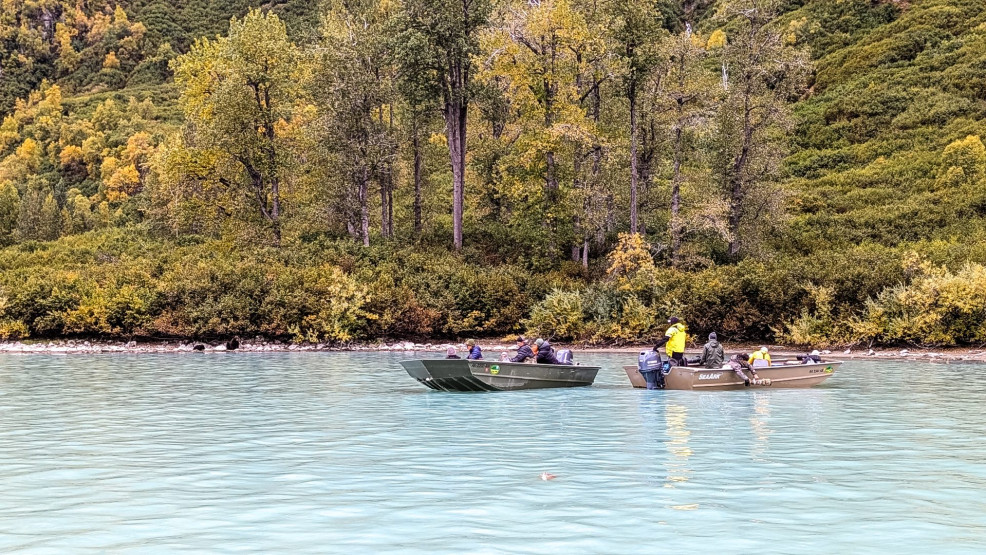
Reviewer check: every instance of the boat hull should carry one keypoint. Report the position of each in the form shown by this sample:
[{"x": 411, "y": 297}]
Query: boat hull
[
  {"x": 479, "y": 375},
  {"x": 777, "y": 376}
]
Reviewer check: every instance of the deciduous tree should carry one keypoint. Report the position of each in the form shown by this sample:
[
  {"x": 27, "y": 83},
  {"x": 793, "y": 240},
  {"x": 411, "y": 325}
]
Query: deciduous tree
[
  {"x": 237, "y": 93},
  {"x": 761, "y": 75},
  {"x": 447, "y": 32}
]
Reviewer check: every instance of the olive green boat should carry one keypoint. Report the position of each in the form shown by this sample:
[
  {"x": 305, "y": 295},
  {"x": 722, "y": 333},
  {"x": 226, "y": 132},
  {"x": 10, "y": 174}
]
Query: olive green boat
[
  {"x": 480, "y": 375},
  {"x": 782, "y": 374}
]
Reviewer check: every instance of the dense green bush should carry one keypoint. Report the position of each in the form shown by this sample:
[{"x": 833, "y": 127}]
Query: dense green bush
[
  {"x": 125, "y": 282},
  {"x": 938, "y": 308}
]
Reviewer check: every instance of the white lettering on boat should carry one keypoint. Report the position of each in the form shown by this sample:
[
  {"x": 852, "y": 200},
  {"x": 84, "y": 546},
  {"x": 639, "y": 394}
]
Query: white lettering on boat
[{"x": 710, "y": 376}]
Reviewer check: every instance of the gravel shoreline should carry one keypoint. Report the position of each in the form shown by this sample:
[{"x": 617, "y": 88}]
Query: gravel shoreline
[{"x": 255, "y": 346}]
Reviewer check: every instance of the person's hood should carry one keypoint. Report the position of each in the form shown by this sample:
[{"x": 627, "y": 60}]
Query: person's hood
[{"x": 713, "y": 343}]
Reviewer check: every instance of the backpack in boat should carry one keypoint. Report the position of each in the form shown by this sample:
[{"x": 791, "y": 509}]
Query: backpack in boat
[{"x": 564, "y": 356}]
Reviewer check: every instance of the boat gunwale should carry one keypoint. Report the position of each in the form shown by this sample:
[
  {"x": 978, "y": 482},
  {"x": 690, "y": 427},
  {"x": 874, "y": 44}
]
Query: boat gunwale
[{"x": 688, "y": 375}]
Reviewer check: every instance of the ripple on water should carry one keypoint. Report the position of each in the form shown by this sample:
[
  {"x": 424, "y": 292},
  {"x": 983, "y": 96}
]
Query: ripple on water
[{"x": 315, "y": 452}]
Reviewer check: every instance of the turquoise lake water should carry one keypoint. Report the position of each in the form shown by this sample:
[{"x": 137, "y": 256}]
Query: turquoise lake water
[{"x": 344, "y": 453}]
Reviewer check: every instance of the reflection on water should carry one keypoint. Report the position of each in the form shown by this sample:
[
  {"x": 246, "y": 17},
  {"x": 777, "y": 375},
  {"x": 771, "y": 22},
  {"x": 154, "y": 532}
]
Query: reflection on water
[
  {"x": 758, "y": 423},
  {"x": 344, "y": 453},
  {"x": 676, "y": 417}
]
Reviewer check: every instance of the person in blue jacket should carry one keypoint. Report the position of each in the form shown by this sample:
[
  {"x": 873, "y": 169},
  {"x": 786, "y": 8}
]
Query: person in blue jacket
[
  {"x": 475, "y": 353},
  {"x": 546, "y": 353},
  {"x": 524, "y": 351}
]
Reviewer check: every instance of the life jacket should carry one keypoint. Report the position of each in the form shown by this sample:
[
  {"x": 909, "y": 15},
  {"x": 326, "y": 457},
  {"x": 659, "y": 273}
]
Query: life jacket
[
  {"x": 757, "y": 355},
  {"x": 677, "y": 342}
]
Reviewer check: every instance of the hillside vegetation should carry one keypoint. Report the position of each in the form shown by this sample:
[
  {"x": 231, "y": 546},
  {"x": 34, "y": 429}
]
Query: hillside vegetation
[{"x": 809, "y": 172}]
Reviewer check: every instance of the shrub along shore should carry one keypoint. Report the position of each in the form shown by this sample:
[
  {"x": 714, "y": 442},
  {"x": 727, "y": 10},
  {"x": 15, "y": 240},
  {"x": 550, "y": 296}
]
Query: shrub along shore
[{"x": 126, "y": 283}]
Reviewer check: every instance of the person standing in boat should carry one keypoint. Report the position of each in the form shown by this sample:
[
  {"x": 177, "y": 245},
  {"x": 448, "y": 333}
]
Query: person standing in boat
[
  {"x": 524, "y": 352},
  {"x": 546, "y": 353},
  {"x": 712, "y": 354},
  {"x": 674, "y": 341},
  {"x": 475, "y": 353}
]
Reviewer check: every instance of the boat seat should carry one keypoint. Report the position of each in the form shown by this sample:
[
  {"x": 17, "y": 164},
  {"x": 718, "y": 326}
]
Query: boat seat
[{"x": 760, "y": 363}]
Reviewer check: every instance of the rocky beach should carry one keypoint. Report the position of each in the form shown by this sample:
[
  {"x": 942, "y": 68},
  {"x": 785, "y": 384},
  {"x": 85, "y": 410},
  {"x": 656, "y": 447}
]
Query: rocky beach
[{"x": 67, "y": 347}]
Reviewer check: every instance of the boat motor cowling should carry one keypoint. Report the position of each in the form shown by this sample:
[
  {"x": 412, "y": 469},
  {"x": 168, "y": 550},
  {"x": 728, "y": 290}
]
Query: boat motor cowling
[
  {"x": 649, "y": 361},
  {"x": 564, "y": 356}
]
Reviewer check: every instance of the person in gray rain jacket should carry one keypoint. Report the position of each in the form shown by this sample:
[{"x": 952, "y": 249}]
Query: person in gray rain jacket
[{"x": 712, "y": 354}]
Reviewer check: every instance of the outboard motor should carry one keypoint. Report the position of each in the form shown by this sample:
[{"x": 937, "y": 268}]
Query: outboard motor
[
  {"x": 652, "y": 368},
  {"x": 564, "y": 356}
]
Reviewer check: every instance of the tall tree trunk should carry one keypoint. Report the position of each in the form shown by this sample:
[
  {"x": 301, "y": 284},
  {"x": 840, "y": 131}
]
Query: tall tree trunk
[
  {"x": 735, "y": 215},
  {"x": 675, "y": 219},
  {"x": 551, "y": 175},
  {"x": 597, "y": 167},
  {"x": 384, "y": 206},
  {"x": 364, "y": 209},
  {"x": 455, "y": 130},
  {"x": 634, "y": 170},
  {"x": 416, "y": 145},
  {"x": 578, "y": 183},
  {"x": 736, "y": 186},
  {"x": 275, "y": 188}
]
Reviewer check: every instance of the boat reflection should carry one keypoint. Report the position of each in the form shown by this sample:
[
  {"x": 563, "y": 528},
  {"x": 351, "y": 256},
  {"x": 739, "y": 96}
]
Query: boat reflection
[
  {"x": 758, "y": 423},
  {"x": 676, "y": 420}
]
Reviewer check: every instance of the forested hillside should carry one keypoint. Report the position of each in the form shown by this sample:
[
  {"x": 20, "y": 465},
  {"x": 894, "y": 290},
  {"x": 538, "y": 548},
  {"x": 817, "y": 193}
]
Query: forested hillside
[{"x": 808, "y": 172}]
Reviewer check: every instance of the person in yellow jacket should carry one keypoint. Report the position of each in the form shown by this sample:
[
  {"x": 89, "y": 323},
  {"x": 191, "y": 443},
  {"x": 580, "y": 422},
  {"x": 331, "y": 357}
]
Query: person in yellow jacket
[
  {"x": 674, "y": 341},
  {"x": 762, "y": 355}
]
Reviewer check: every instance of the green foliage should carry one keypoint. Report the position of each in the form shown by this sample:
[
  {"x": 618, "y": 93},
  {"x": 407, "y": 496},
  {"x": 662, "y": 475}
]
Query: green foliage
[
  {"x": 130, "y": 205},
  {"x": 561, "y": 316},
  {"x": 240, "y": 97},
  {"x": 937, "y": 308},
  {"x": 631, "y": 262}
]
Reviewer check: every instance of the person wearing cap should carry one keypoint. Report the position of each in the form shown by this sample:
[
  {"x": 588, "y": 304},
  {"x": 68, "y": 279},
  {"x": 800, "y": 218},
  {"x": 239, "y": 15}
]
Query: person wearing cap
[
  {"x": 450, "y": 353},
  {"x": 546, "y": 353},
  {"x": 674, "y": 341},
  {"x": 475, "y": 353},
  {"x": 762, "y": 355},
  {"x": 712, "y": 353},
  {"x": 524, "y": 352},
  {"x": 813, "y": 357}
]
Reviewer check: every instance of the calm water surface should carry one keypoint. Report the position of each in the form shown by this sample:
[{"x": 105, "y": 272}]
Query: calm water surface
[{"x": 345, "y": 453}]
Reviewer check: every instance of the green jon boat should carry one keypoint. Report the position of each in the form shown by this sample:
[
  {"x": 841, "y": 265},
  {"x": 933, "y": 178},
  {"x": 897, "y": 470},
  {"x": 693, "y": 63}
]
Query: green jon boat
[{"x": 481, "y": 375}]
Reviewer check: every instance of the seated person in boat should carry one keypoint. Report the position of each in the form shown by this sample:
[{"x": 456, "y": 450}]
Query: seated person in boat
[
  {"x": 524, "y": 352},
  {"x": 760, "y": 359},
  {"x": 712, "y": 354},
  {"x": 813, "y": 357},
  {"x": 475, "y": 353},
  {"x": 738, "y": 365},
  {"x": 450, "y": 353},
  {"x": 546, "y": 353},
  {"x": 674, "y": 341}
]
